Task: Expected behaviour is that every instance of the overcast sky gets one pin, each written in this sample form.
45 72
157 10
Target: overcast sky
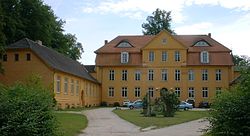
93 21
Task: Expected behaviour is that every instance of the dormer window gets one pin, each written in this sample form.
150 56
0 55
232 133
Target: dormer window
201 43
124 57
204 57
124 44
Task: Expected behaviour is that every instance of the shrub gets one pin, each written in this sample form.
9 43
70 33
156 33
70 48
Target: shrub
116 104
104 104
26 109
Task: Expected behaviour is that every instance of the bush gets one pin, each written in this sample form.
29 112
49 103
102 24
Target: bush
116 104
104 104
26 109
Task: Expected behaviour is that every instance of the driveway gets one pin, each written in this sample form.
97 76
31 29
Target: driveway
103 122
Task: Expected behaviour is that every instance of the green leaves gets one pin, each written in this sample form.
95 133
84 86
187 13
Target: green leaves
160 20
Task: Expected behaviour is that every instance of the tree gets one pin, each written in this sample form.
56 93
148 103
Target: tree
26 109
241 60
35 20
160 20
231 110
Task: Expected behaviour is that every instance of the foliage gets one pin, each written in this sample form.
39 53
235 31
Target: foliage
169 103
231 110
160 20
116 104
35 20
70 124
104 104
159 121
241 60
26 109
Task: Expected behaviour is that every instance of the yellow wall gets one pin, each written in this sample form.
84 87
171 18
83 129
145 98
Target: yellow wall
20 70
158 65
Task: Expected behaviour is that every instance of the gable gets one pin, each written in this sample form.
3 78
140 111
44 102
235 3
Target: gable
164 40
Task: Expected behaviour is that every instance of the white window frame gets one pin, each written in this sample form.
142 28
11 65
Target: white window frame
218 75
164 74
204 92
191 92
58 84
164 56
124 75
124 92
137 75
124 57
177 75
204 75
218 90
151 74
111 92
151 56
151 91
65 85
72 87
178 92
204 57
137 92
190 75
77 87
177 56
112 74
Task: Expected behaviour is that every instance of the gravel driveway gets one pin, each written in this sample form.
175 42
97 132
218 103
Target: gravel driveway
103 122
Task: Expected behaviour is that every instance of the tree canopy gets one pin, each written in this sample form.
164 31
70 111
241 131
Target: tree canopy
35 20
160 20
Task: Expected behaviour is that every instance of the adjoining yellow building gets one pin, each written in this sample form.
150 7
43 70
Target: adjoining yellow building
69 80
193 66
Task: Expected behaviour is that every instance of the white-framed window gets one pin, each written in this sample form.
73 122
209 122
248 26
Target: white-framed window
164 56
111 74
201 43
124 92
65 85
124 57
111 92
218 90
191 92
137 92
150 74
204 57
177 56
124 44
177 75
77 87
151 56
190 75
124 75
177 91
204 92
151 91
58 84
204 75
164 74
72 87
137 75
164 41
218 75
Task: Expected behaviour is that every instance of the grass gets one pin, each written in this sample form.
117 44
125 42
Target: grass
71 124
159 121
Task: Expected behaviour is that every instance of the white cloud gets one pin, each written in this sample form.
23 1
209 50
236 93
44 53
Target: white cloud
197 28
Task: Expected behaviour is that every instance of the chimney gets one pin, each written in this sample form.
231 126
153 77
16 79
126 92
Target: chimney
105 41
209 34
39 42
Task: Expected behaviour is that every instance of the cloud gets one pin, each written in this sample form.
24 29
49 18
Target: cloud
196 28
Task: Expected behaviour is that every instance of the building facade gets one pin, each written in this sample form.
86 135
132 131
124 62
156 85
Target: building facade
192 66
66 78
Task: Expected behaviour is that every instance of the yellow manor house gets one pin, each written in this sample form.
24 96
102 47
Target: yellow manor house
193 66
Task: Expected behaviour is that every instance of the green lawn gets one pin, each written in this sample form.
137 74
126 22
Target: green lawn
71 124
138 119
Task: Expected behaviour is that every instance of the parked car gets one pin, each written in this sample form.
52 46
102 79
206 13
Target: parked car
191 101
204 104
185 105
125 103
136 104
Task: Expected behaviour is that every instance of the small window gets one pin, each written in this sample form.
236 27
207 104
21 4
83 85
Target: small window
190 75
111 92
124 75
150 74
111 74
124 92
137 92
5 57
204 57
28 57
151 56
16 57
204 92
58 84
218 75
177 56
204 74
177 75
137 75
164 41
191 92
164 75
201 43
177 91
124 44
151 91
218 90
164 56
124 57
65 85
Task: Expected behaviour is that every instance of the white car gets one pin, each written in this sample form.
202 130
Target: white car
125 102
